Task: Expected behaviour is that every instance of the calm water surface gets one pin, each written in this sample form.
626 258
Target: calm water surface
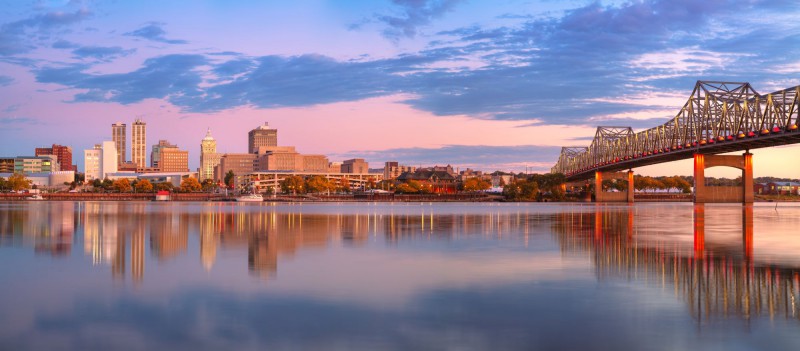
440 276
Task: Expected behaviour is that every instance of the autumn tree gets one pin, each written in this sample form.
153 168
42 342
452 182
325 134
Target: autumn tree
122 185
17 182
164 186
190 184
319 184
144 186
208 184
229 177
475 184
292 184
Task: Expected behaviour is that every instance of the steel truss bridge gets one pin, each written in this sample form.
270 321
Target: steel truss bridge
719 117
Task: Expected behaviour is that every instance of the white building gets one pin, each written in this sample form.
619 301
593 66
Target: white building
100 161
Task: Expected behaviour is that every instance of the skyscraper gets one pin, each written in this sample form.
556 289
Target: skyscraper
118 133
209 157
139 143
262 136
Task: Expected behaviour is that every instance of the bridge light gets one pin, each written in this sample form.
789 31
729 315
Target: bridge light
776 129
730 137
751 134
702 142
764 131
792 127
720 138
740 135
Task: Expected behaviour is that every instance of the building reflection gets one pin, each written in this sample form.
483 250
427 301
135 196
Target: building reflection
718 278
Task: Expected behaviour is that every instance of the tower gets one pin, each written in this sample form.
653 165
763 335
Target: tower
262 136
118 133
208 156
139 143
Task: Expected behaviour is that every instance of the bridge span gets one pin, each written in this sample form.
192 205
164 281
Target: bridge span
718 117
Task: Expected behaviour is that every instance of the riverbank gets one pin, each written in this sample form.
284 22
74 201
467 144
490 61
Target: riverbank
267 198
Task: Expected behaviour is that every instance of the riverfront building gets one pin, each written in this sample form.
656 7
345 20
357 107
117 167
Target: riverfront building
393 169
100 161
63 153
139 143
262 136
356 165
36 164
118 135
209 158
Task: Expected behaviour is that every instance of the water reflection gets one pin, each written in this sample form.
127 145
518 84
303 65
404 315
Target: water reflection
717 278
708 255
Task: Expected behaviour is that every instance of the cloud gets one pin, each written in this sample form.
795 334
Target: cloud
101 52
17 120
170 77
17 37
414 14
63 44
5 81
154 32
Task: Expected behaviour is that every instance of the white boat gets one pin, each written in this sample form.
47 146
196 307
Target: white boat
35 197
250 198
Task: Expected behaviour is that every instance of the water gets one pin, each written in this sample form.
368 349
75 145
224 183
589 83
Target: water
431 276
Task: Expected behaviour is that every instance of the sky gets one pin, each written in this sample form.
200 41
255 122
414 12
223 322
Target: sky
488 85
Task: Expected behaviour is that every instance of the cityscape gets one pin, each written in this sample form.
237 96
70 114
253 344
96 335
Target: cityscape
399 175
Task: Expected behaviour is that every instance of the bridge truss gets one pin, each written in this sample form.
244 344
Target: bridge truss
718 117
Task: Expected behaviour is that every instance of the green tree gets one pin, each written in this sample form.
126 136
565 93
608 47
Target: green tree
144 186
122 185
292 184
208 184
229 179
17 182
190 184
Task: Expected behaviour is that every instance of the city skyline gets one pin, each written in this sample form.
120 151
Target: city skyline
485 85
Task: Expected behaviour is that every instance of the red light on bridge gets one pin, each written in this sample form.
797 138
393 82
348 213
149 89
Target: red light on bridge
751 134
730 137
776 129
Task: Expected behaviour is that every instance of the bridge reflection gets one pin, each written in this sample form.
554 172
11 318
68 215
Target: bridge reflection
714 277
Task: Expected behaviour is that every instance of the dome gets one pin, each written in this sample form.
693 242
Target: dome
208 135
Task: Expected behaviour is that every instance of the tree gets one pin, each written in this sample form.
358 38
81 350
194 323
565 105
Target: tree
344 184
521 190
3 184
405 188
144 186
475 184
190 184
229 179
208 184
318 184
292 184
122 185
164 186
17 182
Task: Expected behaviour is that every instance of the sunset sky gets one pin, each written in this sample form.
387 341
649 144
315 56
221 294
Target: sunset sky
499 84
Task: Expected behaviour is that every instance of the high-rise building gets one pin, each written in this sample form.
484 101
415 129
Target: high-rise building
139 143
64 154
209 157
155 155
118 133
262 136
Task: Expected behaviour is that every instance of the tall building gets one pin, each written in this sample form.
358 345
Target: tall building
118 133
139 143
263 136
209 157
155 155
100 161
64 154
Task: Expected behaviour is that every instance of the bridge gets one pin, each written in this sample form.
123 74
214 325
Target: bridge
718 117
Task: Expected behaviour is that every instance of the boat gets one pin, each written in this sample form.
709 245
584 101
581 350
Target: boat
250 198
35 197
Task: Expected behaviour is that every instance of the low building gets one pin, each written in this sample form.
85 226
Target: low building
270 181
393 169
6 165
36 164
239 164
63 153
783 188
440 182
47 179
356 165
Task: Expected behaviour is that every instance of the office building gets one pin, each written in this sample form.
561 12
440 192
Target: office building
118 133
393 169
173 160
139 143
100 161
155 154
262 136
63 153
356 165
6 165
209 158
36 164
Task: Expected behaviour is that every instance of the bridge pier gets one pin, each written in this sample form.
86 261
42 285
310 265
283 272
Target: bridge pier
622 196
740 194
